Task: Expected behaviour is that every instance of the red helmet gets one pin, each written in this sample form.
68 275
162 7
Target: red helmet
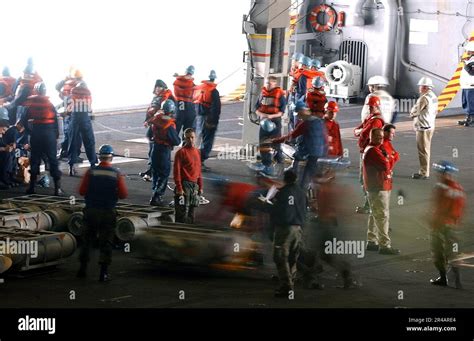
374 101
332 106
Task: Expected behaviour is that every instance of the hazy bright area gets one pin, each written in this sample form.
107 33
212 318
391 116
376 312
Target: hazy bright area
122 46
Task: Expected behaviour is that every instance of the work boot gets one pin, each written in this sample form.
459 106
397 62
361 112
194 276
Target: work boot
441 281
145 173
205 168
57 188
157 200
72 170
418 176
31 187
82 273
283 292
371 246
389 251
104 274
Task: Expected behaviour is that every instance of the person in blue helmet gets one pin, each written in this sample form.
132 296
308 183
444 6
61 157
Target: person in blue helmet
208 113
165 137
102 186
183 92
270 108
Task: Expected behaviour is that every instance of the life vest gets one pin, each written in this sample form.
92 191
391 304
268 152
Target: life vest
310 74
160 129
67 87
270 103
203 93
316 100
9 83
40 110
157 101
184 88
102 190
334 138
450 200
81 100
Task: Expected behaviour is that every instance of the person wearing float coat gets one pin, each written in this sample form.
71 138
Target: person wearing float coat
377 87
208 104
424 115
467 85
183 91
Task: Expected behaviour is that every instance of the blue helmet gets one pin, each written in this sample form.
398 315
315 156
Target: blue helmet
106 150
316 63
44 181
6 72
212 75
168 106
317 82
300 105
267 125
40 88
190 70
445 167
306 61
3 114
297 56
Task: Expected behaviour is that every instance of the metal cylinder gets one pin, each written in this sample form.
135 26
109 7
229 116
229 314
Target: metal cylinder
47 249
75 223
7 205
40 221
127 227
59 218
32 208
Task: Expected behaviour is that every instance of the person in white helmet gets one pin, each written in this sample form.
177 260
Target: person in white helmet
424 115
377 87
467 85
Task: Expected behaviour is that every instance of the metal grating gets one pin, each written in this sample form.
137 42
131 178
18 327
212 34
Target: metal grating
355 52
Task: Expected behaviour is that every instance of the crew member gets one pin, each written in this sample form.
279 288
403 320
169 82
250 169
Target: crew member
377 170
467 85
208 114
81 125
102 186
183 91
449 200
333 130
316 97
378 87
40 114
8 84
424 116
187 178
165 138
161 94
288 213
374 120
270 107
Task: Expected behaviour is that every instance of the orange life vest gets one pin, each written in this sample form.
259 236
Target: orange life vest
270 103
184 88
40 110
160 129
67 87
310 74
203 93
316 100
9 82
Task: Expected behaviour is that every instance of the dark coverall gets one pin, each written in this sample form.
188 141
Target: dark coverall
206 123
102 186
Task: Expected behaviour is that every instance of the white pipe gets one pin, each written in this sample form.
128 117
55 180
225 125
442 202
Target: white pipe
389 38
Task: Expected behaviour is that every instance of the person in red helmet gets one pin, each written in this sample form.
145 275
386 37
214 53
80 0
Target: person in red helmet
316 97
333 130
374 120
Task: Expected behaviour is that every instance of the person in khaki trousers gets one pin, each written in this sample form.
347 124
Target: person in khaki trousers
424 116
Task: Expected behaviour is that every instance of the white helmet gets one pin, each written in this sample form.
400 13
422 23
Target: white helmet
425 81
469 47
378 80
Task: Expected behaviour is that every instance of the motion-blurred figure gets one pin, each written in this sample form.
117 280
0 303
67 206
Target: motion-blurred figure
378 87
449 200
